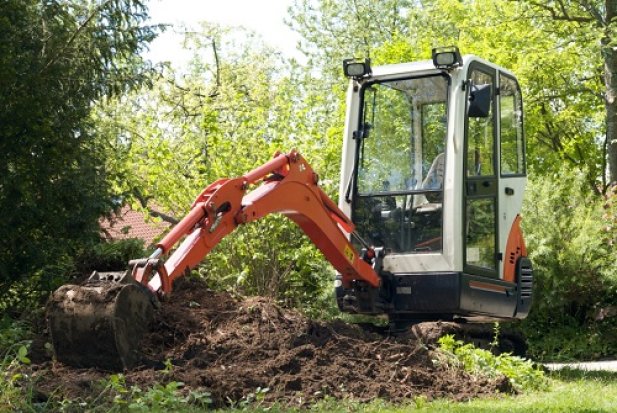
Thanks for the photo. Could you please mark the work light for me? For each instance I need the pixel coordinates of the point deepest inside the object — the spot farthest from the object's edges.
(447, 57)
(356, 68)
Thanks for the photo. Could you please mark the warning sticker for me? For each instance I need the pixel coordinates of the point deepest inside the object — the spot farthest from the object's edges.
(348, 253)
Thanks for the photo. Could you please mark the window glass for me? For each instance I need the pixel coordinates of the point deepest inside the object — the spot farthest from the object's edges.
(386, 155)
(511, 134)
(400, 174)
(433, 133)
(480, 137)
(481, 232)
(392, 222)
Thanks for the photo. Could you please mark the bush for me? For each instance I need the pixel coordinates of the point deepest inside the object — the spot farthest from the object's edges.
(271, 257)
(521, 373)
(109, 256)
(33, 291)
(571, 234)
(13, 357)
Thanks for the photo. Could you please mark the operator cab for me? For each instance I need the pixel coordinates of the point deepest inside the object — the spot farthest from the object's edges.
(433, 175)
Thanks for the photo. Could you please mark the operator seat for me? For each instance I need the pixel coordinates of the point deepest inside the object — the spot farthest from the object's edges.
(434, 177)
(433, 180)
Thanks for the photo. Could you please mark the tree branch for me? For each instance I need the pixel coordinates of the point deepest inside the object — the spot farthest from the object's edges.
(594, 12)
(561, 14)
(218, 69)
(144, 203)
(604, 163)
(74, 35)
(165, 217)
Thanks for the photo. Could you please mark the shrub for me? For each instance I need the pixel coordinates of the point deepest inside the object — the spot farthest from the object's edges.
(521, 373)
(271, 257)
(571, 234)
(109, 256)
(13, 389)
(32, 291)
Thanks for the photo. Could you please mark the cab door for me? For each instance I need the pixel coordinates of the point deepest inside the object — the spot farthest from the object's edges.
(480, 207)
(512, 174)
(483, 289)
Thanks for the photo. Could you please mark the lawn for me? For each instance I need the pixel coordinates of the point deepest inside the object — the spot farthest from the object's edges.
(570, 391)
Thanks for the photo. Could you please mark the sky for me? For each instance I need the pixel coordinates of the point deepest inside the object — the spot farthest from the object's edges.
(265, 17)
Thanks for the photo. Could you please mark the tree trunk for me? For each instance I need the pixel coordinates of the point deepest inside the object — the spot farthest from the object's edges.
(610, 82)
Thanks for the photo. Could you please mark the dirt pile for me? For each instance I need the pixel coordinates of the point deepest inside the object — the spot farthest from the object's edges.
(231, 347)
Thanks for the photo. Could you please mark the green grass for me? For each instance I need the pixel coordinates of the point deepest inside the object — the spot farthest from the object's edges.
(569, 391)
(572, 391)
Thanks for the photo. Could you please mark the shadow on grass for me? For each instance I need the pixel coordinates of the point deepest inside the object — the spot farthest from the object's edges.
(569, 375)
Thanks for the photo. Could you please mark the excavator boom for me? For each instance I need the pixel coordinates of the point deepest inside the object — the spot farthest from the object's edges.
(289, 186)
(286, 184)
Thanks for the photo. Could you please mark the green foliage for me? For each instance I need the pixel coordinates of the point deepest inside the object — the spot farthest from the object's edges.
(571, 235)
(559, 336)
(253, 400)
(222, 119)
(109, 256)
(571, 241)
(13, 388)
(587, 27)
(270, 258)
(165, 398)
(158, 398)
(94, 255)
(117, 396)
(56, 59)
(335, 30)
(11, 333)
(521, 373)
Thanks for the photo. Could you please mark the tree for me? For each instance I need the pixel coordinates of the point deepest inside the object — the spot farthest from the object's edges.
(592, 24)
(563, 111)
(563, 99)
(56, 59)
(235, 105)
(335, 30)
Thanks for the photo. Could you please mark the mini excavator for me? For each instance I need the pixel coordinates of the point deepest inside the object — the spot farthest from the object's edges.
(427, 226)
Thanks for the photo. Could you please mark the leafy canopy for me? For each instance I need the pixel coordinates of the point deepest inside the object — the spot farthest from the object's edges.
(56, 59)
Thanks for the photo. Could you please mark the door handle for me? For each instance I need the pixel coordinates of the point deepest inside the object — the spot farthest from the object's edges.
(509, 191)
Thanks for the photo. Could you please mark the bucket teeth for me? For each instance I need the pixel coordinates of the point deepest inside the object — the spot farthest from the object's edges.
(100, 324)
(122, 277)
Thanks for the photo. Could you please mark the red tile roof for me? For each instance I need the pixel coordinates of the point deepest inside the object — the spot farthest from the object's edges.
(132, 224)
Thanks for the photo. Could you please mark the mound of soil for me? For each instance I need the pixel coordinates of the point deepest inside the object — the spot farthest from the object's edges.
(231, 347)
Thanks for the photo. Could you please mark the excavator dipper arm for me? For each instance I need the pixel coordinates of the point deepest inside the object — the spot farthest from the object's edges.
(288, 185)
(100, 323)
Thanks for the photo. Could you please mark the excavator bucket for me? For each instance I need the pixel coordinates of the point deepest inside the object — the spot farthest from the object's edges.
(100, 323)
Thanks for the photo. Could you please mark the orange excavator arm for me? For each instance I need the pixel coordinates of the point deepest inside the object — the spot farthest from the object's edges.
(288, 185)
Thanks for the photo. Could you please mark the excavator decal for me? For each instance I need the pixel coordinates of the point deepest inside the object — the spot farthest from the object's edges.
(349, 253)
